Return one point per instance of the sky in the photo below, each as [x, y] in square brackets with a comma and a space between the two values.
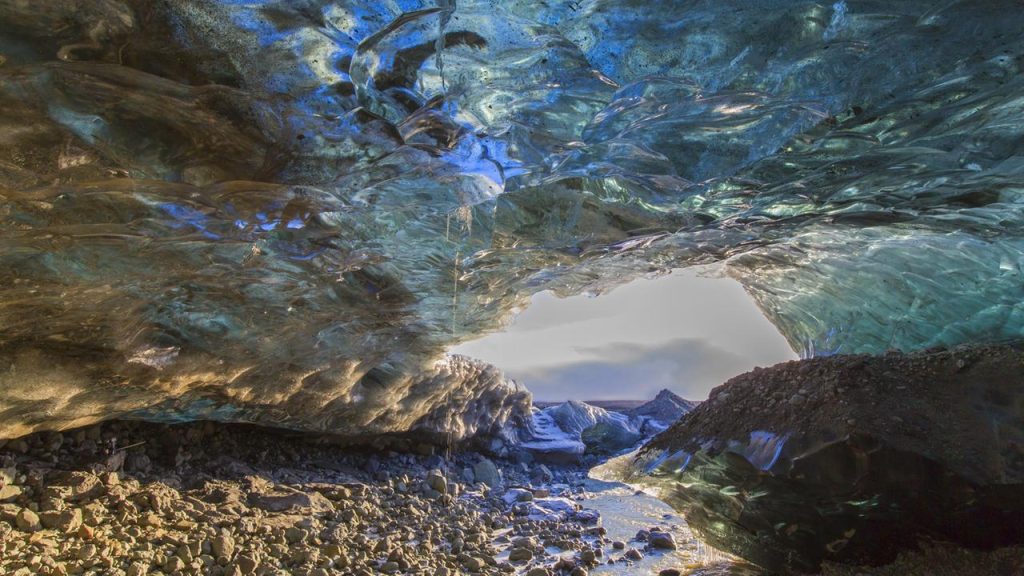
[688, 331]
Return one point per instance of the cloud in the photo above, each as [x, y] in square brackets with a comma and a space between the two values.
[628, 371]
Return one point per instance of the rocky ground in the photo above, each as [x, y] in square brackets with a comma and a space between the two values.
[126, 498]
[857, 459]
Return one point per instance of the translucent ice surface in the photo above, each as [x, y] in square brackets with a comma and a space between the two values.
[285, 211]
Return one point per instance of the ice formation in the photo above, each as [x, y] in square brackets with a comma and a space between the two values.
[284, 211]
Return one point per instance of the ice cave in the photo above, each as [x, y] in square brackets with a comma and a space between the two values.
[258, 228]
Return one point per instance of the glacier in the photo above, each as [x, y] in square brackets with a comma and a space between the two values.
[284, 212]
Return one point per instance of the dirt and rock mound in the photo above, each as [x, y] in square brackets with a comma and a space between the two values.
[853, 459]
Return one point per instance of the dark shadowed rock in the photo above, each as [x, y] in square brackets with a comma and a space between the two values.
[880, 454]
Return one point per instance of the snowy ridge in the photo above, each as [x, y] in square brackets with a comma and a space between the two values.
[573, 428]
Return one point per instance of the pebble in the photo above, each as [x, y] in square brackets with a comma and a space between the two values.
[199, 511]
[27, 521]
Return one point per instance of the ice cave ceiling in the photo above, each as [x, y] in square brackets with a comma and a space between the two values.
[284, 211]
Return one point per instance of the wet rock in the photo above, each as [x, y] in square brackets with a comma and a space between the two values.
[662, 541]
[633, 554]
[670, 572]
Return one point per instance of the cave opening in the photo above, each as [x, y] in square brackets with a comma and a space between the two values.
[687, 332]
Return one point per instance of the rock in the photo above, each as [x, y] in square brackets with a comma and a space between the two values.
[27, 521]
[137, 462]
[670, 572]
[578, 571]
[69, 521]
[520, 555]
[174, 564]
[8, 490]
[564, 563]
[474, 564]
[514, 495]
[294, 535]
[137, 569]
[539, 571]
[542, 475]
[311, 502]
[487, 473]
[525, 542]
[10, 493]
[87, 551]
[248, 565]
[619, 545]
[83, 485]
[390, 567]
[437, 482]
[633, 554]
[883, 453]
[223, 546]
[662, 541]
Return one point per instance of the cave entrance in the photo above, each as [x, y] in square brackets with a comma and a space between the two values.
[687, 332]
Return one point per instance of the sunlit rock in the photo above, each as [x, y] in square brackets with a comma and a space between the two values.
[852, 459]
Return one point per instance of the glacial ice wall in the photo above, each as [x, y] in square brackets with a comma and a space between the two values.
[285, 210]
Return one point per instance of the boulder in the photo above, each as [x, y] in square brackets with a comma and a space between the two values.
[881, 453]
[486, 472]
[662, 541]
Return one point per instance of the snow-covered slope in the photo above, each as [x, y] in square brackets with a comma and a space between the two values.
[573, 428]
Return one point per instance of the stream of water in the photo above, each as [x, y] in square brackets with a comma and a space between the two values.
[625, 510]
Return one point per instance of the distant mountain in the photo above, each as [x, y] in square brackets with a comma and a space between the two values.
[572, 428]
[613, 405]
[667, 407]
